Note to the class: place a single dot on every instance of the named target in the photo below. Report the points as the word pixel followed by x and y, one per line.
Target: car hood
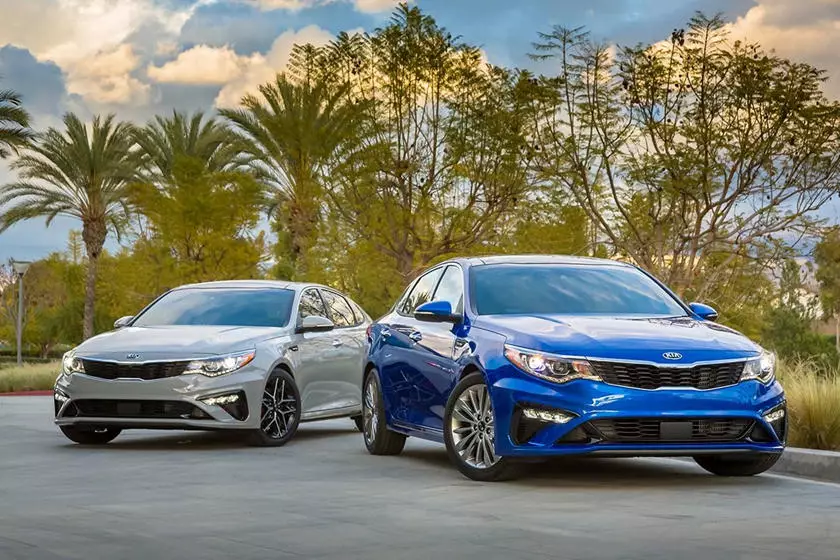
pixel 173 342
pixel 623 338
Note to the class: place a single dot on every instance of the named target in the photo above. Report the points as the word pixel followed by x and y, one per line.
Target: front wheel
pixel 89 436
pixel 750 465
pixel 280 411
pixel 470 435
pixel 379 440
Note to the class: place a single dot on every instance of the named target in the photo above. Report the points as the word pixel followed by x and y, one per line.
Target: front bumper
pixel 174 402
pixel 622 421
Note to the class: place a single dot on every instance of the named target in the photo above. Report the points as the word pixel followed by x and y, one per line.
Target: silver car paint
pixel 327 367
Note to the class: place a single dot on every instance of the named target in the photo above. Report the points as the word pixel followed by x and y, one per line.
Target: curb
pixel 809 463
pixel 28 394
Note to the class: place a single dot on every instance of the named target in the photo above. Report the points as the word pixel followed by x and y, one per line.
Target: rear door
pixel 349 343
pixel 404 385
pixel 318 359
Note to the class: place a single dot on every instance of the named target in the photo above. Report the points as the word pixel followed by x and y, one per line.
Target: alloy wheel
pixel 277 415
pixel 369 411
pixel 473 428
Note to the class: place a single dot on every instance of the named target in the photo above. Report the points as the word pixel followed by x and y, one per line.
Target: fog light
pixel 554 416
pixel 220 400
pixel 774 416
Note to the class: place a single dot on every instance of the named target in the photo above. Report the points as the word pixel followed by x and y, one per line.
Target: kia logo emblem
pixel 672 356
pixel 132 356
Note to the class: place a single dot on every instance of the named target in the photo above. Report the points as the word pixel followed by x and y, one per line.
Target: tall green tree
pixel 687 150
pixel 438 158
pixel 14 124
pixel 293 131
pixel 82 172
pixel 197 136
pixel 827 258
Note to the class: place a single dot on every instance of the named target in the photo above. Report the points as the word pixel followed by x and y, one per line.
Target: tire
pixel 360 422
pixel 379 440
pixel 89 436
pixel 279 412
pixel 740 465
pixel 468 431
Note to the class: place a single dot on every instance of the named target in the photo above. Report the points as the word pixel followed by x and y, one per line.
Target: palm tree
pixel 79 172
pixel 293 131
pixel 209 141
pixel 14 124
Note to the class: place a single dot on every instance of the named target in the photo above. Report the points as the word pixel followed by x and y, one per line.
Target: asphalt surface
pixel 191 495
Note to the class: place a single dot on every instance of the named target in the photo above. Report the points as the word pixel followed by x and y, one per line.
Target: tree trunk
pixel 93 234
pixel 90 296
pixel 837 332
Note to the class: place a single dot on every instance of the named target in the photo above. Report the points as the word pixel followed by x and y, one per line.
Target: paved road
pixel 161 495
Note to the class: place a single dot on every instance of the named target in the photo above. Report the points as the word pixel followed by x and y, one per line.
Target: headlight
pixel 552 368
pixel 763 368
pixel 70 364
pixel 214 367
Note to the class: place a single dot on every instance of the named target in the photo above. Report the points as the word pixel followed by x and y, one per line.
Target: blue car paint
pixel 417 377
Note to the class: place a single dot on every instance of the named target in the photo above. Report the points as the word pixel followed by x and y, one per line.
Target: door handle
pixel 337 343
pixel 416 336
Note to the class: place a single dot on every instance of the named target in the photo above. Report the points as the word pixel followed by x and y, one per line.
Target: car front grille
pixel 112 408
pixel 147 371
pixel 653 430
pixel 645 376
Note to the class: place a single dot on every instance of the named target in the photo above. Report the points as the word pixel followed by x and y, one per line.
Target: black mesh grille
pixel 649 430
pixel 109 408
pixel 643 376
pixel 148 371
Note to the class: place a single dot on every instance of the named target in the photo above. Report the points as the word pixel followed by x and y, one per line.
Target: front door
pixel 436 345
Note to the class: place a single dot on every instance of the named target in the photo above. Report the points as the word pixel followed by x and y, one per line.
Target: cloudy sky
pixel 141 57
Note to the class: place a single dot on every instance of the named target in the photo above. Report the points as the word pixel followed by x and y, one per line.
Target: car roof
pixel 264 284
pixel 537 259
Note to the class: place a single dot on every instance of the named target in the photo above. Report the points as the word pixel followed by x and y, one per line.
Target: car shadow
pixel 600 473
pixel 156 440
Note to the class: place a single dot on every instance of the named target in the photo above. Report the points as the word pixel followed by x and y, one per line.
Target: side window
pixel 451 289
pixel 422 291
pixel 340 311
pixel 360 315
pixel 311 304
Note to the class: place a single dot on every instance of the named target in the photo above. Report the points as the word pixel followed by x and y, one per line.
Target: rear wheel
pixel 379 440
pixel 469 433
pixel 89 436
pixel 360 422
pixel 280 411
pixel 738 465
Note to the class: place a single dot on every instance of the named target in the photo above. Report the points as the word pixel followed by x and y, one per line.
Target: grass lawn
pixel 29 377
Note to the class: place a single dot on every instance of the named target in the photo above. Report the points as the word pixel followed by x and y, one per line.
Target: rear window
pixel 242 307
pixel 537 289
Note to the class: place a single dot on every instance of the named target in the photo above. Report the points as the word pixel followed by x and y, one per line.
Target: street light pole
pixel 20 268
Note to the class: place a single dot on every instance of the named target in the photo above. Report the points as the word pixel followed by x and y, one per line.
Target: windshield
pixel 538 289
pixel 220 306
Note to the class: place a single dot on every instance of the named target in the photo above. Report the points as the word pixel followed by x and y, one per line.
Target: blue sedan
pixel 516 357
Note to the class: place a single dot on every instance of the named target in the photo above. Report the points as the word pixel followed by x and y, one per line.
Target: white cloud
pixel 805 30
pixel 367 6
pixel 204 65
pixel 87 40
pixel 259 69
pixel 105 77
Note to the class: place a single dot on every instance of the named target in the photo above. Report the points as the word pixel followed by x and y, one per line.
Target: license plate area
pixel 675 431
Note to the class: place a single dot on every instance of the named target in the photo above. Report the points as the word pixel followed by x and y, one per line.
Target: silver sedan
pixel 254 356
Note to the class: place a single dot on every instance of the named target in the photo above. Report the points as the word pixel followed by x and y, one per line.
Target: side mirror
pixel 436 312
pixel 315 323
pixel 704 311
pixel 123 321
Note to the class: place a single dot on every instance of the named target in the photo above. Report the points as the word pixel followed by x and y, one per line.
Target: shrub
pixel 813 396
pixel 29 377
